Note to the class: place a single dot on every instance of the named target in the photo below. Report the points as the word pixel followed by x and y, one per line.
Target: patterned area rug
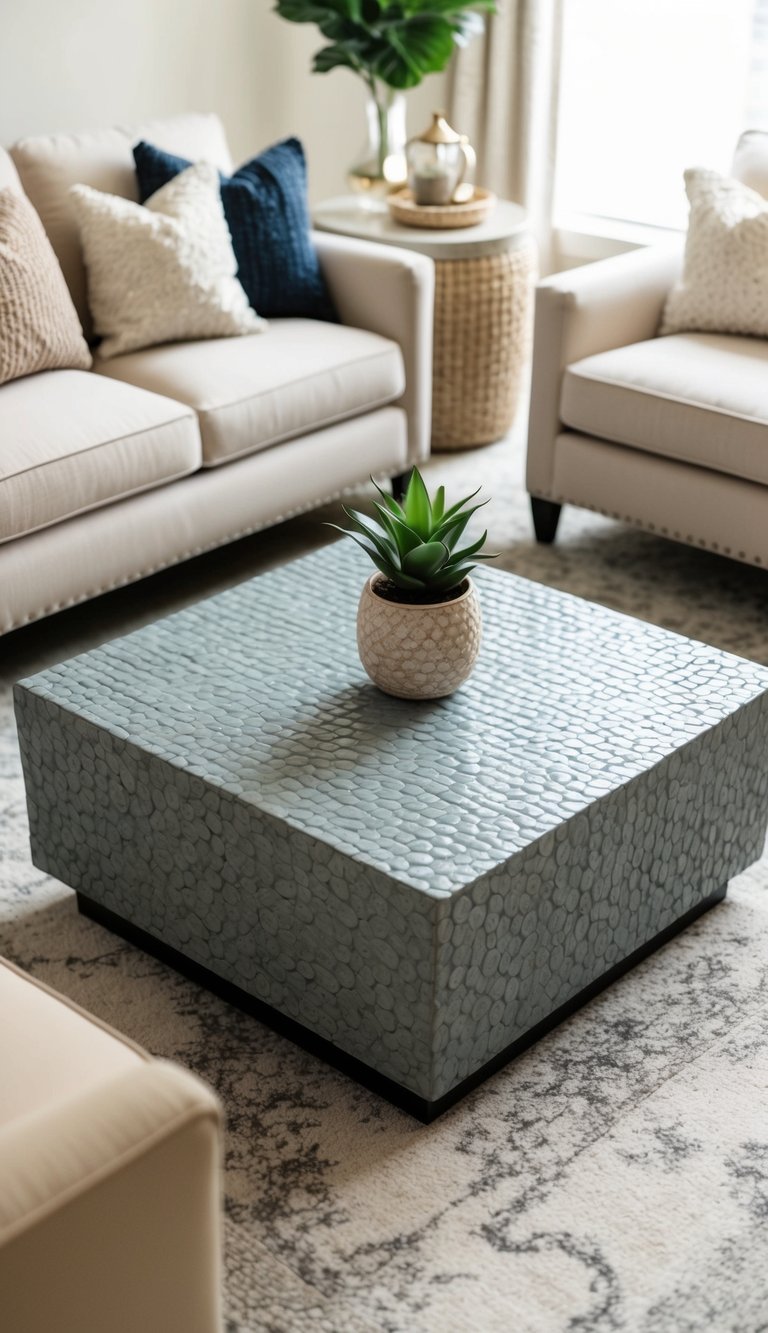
pixel 614 1177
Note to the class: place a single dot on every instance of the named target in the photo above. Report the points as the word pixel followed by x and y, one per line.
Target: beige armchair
pixel 110 1213
pixel 670 434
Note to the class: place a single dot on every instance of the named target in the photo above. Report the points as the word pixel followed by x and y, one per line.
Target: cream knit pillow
pixel 39 328
pixel 724 287
pixel 163 271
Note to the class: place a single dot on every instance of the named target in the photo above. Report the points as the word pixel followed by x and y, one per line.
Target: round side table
pixel 483 312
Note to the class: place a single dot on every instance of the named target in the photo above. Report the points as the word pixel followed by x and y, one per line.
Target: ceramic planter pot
pixel 418 651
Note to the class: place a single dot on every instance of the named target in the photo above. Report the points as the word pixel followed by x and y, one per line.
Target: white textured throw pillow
pixel 724 287
pixel 163 271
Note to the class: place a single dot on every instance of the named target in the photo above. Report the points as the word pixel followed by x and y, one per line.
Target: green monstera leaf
pixel 396 41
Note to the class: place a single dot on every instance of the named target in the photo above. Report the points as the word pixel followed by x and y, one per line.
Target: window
pixel 650 88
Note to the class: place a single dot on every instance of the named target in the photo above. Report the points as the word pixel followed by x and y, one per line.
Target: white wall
pixel 77 64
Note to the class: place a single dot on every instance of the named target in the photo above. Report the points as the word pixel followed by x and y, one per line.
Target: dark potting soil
pixel 390 592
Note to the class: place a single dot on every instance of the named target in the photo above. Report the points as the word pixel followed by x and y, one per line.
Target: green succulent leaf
pixel 425 561
pixel 417 506
pixel 356 516
pixel 387 520
pixel 450 578
pixel 454 509
pixel 451 529
pixel 370 529
pixel 405 538
pixel 370 551
pixel 408 581
pixel 391 503
pixel 458 556
pixel 413 543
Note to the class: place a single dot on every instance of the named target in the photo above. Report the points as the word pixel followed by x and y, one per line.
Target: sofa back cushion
pixel 750 161
pixel 49 164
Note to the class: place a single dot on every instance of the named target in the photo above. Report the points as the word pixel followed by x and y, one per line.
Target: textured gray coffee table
pixel 415 889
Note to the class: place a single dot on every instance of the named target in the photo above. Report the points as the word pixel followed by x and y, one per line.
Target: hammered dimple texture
pixel 418 882
pixel 418 652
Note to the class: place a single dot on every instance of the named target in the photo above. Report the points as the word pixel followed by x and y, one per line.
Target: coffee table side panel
pixel 327 941
pixel 527 937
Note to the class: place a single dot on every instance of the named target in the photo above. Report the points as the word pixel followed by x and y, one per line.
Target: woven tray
pixel 409 214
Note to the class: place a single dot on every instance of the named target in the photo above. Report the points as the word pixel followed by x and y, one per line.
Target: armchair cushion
pixel 249 393
pixel 696 397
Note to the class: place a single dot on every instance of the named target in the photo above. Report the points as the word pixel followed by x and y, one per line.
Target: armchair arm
pixel 583 311
pixel 113 1197
pixel 391 292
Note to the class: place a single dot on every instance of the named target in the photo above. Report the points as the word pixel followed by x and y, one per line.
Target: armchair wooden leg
pixel 400 484
pixel 546 516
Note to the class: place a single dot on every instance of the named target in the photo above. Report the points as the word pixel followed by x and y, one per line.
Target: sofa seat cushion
pixel 72 441
pixel 51 1050
pixel 297 376
pixel 698 398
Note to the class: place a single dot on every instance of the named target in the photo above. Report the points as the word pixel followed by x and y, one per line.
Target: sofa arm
pixel 581 312
pixel 110 1209
pixel 391 292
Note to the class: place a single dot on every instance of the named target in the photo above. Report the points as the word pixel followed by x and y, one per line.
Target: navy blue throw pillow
pixel 265 204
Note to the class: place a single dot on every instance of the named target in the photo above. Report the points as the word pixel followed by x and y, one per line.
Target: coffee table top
pixel 259 691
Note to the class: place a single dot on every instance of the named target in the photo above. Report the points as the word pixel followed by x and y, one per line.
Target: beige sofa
pixel 667 433
pixel 150 458
pixel 109 1178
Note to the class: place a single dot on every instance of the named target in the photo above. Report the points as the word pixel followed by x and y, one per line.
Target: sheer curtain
pixel 503 93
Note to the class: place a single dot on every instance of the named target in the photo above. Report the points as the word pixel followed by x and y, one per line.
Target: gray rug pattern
pixel 615 1177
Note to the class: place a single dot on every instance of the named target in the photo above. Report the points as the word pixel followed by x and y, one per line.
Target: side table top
pixel 506 227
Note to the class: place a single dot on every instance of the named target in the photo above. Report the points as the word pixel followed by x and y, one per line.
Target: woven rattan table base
pixel 483 322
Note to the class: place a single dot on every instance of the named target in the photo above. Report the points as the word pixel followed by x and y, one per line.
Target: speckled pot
pixel 418 651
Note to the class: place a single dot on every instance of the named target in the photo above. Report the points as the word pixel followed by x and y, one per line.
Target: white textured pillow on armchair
pixel 163 271
pixel 724 287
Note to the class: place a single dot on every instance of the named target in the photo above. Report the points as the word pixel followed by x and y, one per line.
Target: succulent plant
pixel 413 543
